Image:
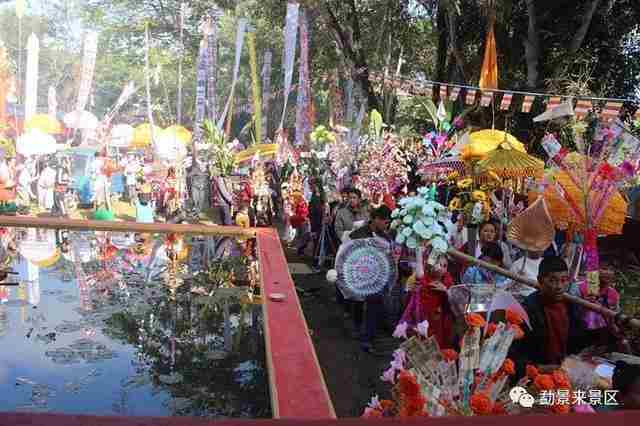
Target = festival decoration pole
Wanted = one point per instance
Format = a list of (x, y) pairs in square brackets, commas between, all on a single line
[(5, 77), (255, 85), (181, 19), (88, 69), (20, 6), (53, 102), (242, 26), (266, 91), (302, 107), (290, 35), (201, 88), (212, 66), (31, 86)]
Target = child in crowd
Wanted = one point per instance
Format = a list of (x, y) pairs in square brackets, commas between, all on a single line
[(491, 253)]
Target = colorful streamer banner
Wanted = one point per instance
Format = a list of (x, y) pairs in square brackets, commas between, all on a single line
[(31, 84), (443, 92), (582, 108), (303, 125), (337, 106), (290, 35), (611, 110), (506, 101), (242, 26), (201, 90), (53, 102), (486, 99), (88, 69), (212, 66), (471, 97), (255, 85), (553, 103), (348, 88), (455, 92), (266, 92), (527, 103)]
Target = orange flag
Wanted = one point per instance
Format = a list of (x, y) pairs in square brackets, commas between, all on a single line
[(489, 72)]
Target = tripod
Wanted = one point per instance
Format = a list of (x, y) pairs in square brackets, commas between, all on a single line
[(324, 240)]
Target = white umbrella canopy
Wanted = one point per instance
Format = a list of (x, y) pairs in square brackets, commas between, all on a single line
[(37, 251), (122, 135), (81, 120), (169, 149), (36, 142)]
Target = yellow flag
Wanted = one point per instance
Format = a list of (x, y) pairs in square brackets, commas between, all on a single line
[(20, 6)]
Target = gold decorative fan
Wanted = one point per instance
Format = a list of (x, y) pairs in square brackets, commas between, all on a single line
[(533, 229)]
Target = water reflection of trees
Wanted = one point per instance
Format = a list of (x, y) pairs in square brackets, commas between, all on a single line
[(207, 352)]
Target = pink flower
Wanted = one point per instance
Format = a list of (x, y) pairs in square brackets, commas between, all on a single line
[(400, 355), (401, 331), (389, 375), (375, 403), (441, 139), (458, 123), (628, 169)]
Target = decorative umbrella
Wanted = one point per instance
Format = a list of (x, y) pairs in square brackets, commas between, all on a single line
[(37, 251), (44, 123), (49, 262), (82, 120), (36, 143), (483, 142), (441, 168), (610, 223), (265, 151), (122, 135), (168, 148), (511, 163), (178, 133), (142, 135)]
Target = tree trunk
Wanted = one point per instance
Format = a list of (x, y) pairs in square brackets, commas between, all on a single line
[(532, 47), (587, 17), (441, 64), (453, 41)]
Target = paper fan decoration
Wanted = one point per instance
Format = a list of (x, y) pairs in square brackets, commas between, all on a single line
[(533, 229), (511, 163), (365, 267)]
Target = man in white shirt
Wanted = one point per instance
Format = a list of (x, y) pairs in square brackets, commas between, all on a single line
[(528, 265)]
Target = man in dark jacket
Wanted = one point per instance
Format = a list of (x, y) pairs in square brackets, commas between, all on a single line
[(556, 328), (378, 226)]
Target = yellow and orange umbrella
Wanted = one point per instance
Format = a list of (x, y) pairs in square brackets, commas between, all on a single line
[(44, 123), (178, 133), (142, 135)]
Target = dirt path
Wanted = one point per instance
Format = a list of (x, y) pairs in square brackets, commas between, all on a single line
[(352, 376)]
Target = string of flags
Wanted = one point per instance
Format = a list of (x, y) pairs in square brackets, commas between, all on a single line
[(609, 109)]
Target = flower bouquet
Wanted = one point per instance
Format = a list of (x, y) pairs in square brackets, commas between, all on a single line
[(428, 381), (473, 204)]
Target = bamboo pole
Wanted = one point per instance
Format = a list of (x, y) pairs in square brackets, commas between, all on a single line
[(635, 323), (124, 226)]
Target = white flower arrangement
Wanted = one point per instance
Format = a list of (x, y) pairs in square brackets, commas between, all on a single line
[(420, 221)]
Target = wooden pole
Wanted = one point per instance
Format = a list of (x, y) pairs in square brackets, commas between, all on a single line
[(635, 323)]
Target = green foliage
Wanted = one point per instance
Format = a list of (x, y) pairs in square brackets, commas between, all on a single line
[(221, 158)]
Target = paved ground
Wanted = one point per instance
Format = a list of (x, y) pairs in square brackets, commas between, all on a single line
[(352, 376)]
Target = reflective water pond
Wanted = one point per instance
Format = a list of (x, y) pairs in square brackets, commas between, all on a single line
[(134, 325)]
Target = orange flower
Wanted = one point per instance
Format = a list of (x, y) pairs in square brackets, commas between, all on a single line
[(372, 413), (449, 355), (481, 404), (498, 409), (491, 328), (508, 367), (513, 317), (519, 332), (560, 379), (544, 382), (412, 407), (532, 372), (561, 408), (408, 384), (475, 320)]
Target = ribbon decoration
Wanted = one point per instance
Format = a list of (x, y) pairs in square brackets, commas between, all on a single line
[(443, 92), (506, 101), (553, 103), (486, 99), (303, 125), (611, 110), (255, 85), (201, 90), (212, 64), (290, 35), (582, 108), (266, 90), (242, 26), (88, 69), (455, 92), (52, 101), (527, 103), (31, 86), (471, 97)]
